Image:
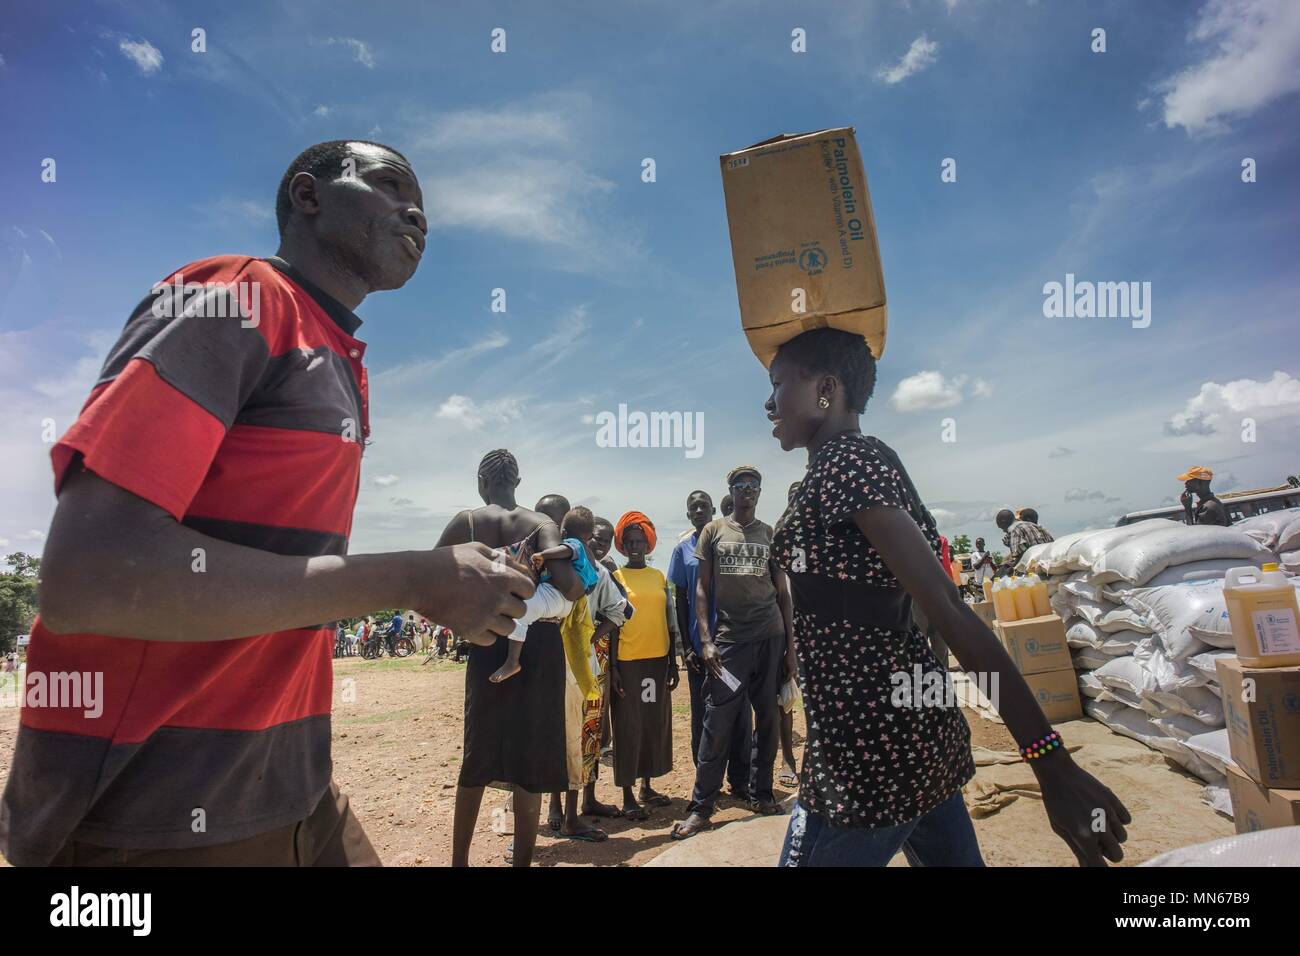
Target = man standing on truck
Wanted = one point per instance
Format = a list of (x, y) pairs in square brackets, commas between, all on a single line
[(1209, 509)]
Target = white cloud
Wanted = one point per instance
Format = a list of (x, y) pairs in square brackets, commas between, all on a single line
[(922, 53), (360, 51), (321, 110), (230, 209), (143, 53), (1206, 411), (1255, 61), (33, 535), (384, 481), (1083, 494), (523, 172), (472, 414), (929, 390)]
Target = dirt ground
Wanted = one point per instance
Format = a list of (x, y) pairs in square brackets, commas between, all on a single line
[(397, 751)]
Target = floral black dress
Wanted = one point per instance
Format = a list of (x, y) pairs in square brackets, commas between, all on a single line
[(869, 761)]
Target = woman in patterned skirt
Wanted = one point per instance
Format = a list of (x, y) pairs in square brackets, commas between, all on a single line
[(885, 761)]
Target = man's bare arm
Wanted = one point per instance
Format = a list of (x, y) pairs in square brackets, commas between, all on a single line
[(118, 565)]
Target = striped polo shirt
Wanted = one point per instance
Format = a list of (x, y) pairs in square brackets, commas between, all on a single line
[(236, 400)]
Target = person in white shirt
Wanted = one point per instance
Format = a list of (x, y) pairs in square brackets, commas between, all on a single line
[(981, 563)]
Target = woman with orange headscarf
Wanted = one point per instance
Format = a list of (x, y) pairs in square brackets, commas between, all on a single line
[(643, 671)]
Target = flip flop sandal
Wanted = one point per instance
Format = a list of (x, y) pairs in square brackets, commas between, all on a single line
[(764, 808), (640, 813), (788, 778), (608, 816), (588, 836), (678, 834), (555, 823), (658, 800)]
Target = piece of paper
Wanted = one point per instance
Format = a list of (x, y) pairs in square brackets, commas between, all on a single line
[(730, 679)]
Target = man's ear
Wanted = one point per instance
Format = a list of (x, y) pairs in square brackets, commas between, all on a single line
[(303, 194)]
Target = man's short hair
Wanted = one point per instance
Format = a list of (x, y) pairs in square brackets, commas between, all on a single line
[(322, 160), (1004, 518)]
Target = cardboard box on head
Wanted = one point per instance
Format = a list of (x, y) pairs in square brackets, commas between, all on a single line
[(803, 240)]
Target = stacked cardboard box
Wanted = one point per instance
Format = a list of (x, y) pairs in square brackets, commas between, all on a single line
[(986, 613), (1037, 647), (1262, 708)]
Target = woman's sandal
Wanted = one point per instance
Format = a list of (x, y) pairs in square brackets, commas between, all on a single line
[(595, 835), (788, 778), (640, 813)]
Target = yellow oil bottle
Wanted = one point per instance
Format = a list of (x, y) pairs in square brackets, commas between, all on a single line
[(1038, 591), (1263, 611), (1004, 605), (1020, 592)]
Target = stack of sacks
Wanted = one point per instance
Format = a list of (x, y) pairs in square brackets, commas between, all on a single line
[(1279, 531), (1145, 619)]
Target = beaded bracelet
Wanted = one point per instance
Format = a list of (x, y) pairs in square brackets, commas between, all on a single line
[(1041, 747)]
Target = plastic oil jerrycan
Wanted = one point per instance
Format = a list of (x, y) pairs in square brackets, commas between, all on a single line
[(1004, 605), (1038, 591), (988, 589), (1020, 592), (1263, 611)]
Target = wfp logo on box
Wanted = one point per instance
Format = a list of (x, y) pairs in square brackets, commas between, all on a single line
[(813, 259), (1042, 695)]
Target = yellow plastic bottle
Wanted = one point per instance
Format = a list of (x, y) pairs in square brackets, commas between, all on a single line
[(1038, 591), (1020, 591), (1004, 605), (1264, 614), (988, 589)]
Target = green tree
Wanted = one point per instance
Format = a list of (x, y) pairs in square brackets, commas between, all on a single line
[(17, 598), (961, 544)]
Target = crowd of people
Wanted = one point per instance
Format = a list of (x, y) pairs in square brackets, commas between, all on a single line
[(191, 411), (351, 636)]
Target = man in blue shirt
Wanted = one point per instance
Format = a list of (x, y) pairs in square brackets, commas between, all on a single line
[(683, 569), (394, 631)]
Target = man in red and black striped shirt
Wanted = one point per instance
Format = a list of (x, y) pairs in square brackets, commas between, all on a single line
[(198, 552)]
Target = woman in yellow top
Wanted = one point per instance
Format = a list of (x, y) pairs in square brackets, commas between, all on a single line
[(643, 671)]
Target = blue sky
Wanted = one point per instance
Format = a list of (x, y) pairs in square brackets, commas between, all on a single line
[(1115, 166)]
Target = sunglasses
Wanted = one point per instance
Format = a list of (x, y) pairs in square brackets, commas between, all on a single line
[(751, 485)]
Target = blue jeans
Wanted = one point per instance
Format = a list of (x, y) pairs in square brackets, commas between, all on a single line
[(943, 837)]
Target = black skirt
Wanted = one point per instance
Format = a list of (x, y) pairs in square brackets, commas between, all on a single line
[(643, 729), (514, 731)]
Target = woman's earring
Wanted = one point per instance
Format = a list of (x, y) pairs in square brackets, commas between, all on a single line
[(823, 402)]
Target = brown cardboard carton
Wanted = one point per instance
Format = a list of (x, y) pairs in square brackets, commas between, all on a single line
[(1256, 807), (800, 218), (986, 613), (1057, 693), (1036, 644), (1261, 707)]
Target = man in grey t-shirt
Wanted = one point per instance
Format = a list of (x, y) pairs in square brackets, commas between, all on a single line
[(747, 654)]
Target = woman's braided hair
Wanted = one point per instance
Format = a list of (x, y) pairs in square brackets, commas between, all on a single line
[(499, 467)]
